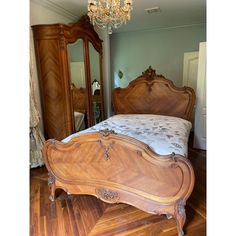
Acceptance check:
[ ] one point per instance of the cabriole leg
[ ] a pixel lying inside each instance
(52, 195)
(180, 216)
(51, 184)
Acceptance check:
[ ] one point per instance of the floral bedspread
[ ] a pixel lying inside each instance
(164, 134)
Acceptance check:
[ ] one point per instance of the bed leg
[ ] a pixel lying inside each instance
(52, 195)
(51, 184)
(180, 216)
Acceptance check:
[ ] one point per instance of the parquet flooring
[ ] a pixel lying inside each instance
(88, 216)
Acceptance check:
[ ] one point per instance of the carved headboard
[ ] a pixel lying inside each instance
(154, 94)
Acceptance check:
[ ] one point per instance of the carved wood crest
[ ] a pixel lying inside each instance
(107, 195)
(150, 73)
(106, 132)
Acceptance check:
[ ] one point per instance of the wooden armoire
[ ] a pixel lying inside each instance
(69, 59)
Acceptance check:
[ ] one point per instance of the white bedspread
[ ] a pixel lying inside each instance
(164, 134)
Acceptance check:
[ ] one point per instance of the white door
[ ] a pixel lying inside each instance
(200, 111)
(190, 69)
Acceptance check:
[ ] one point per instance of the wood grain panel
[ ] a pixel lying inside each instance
(55, 102)
(87, 216)
(134, 172)
(154, 94)
(117, 168)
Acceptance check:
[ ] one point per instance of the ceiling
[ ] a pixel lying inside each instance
(173, 12)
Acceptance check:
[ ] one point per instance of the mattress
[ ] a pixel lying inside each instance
(163, 134)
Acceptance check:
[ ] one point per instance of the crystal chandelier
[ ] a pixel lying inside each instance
(109, 13)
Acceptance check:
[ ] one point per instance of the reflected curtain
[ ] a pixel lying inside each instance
(36, 138)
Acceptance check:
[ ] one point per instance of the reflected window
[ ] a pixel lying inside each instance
(78, 83)
(76, 62)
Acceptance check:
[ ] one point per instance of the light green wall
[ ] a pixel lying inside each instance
(76, 51)
(163, 49)
(94, 63)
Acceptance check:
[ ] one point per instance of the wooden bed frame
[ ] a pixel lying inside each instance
(79, 99)
(116, 168)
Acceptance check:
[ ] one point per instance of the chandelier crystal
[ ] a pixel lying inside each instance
(109, 13)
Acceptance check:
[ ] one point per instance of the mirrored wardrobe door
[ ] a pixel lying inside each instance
(78, 83)
(96, 84)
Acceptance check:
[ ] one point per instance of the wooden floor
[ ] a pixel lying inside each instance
(87, 216)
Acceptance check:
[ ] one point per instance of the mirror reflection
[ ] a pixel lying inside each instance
(96, 84)
(78, 83)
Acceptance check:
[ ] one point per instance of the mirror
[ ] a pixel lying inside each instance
(97, 108)
(78, 83)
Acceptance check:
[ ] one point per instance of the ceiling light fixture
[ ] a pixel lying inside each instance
(109, 13)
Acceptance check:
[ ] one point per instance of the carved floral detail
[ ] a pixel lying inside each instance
(180, 216)
(62, 42)
(150, 87)
(181, 207)
(107, 195)
(106, 132)
(51, 178)
(174, 163)
(149, 73)
(106, 149)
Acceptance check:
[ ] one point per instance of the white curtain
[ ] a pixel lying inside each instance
(36, 138)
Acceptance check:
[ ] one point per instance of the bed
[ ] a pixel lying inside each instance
(116, 165)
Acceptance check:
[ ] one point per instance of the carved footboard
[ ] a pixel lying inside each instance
(116, 168)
